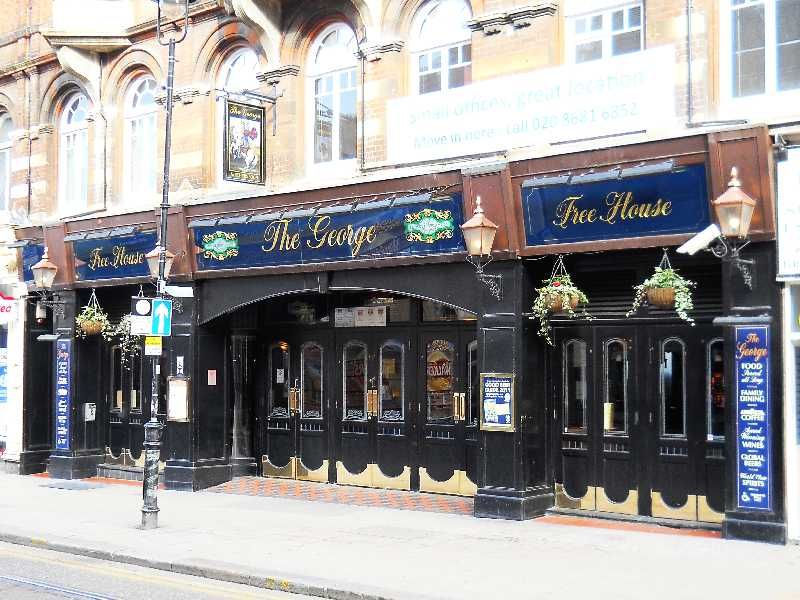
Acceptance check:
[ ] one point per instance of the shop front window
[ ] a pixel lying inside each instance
(440, 380)
(615, 405)
(311, 381)
(575, 386)
(355, 381)
(116, 378)
(279, 380)
(135, 383)
(392, 370)
(673, 388)
(715, 389)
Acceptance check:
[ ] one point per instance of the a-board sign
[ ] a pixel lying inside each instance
(497, 402)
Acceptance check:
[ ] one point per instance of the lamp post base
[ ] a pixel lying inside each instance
(150, 518)
(152, 450)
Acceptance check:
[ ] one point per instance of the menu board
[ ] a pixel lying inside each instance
(497, 401)
(752, 418)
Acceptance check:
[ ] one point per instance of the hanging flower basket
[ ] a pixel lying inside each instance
(557, 295)
(92, 320)
(667, 289)
(120, 335)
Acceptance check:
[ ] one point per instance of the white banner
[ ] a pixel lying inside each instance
(789, 216)
(618, 95)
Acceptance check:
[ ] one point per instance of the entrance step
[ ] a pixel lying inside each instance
(127, 473)
(619, 517)
(342, 494)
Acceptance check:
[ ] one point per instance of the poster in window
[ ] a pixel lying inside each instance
(244, 151)
(497, 401)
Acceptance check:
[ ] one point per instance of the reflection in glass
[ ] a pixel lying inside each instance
(615, 407)
(116, 377)
(673, 389)
(575, 387)
(439, 379)
(435, 311)
(135, 381)
(279, 380)
(355, 381)
(473, 389)
(392, 366)
(311, 382)
(715, 394)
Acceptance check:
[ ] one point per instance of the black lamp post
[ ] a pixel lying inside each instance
(173, 10)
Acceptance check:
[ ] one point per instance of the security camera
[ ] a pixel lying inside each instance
(700, 241)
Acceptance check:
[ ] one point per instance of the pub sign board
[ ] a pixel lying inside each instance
(407, 229)
(752, 372)
(113, 257)
(664, 203)
(63, 390)
(244, 151)
(497, 401)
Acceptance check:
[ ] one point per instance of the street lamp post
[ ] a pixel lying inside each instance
(173, 10)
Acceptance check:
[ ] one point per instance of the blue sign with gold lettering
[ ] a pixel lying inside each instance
(113, 257)
(31, 254)
(63, 391)
(751, 357)
(406, 228)
(617, 207)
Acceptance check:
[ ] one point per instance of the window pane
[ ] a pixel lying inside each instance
(749, 73)
(617, 20)
(466, 52)
(423, 63)
(615, 408)
(788, 34)
(748, 50)
(635, 16)
(459, 77)
(575, 387)
(347, 125)
(589, 51)
(279, 380)
(439, 380)
(135, 381)
(625, 43)
(580, 25)
(391, 398)
(355, 381)
(431, 82)
(311, 375)
(323, 129)
(116, 378)
(716, 389)
(436, 60)
(473, 385)
(673, 397)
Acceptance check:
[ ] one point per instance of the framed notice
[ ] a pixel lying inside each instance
(497, 402)
(244, 151)
(178, 398)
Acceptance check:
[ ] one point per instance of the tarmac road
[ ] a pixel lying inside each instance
(32, 573)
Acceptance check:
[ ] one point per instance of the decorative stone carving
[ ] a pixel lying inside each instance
(274, 75)
(516, 18)
(375, 52)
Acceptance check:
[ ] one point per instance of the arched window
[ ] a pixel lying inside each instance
(74, 154)
(6, 127)
(140, 140)
(333, 93)
(440, 46)
(237, 74)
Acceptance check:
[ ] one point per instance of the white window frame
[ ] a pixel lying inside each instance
(5, 151)
(453, 38)
(137, 117)
(781, 103)
(232, 94)
(73, 192)
(605, 34)
(337, 167)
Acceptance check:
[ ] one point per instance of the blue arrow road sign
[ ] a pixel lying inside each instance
(161, 324)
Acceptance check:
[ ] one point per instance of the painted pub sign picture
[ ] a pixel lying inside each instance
(244, 151)
(636, 201)
(400, 227)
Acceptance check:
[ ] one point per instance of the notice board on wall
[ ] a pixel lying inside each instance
(497, 402)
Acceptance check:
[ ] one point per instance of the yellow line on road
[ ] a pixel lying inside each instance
(121, 573)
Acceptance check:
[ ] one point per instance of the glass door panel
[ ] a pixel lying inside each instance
(440, 380)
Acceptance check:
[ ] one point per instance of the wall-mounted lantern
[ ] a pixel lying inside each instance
(479, 233)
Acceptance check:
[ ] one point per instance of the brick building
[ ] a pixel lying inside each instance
(360, 108)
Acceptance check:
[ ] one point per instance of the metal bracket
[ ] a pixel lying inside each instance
(722, 248)
(50, 301)
(493, 282)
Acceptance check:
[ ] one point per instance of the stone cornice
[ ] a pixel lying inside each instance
(184, 95)
(93, 42)
(274, 76)
(515, 18)
(374, 52)
(18, 67)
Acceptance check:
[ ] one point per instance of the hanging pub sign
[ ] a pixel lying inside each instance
(405, 229)
(751, 357)
(244, 151)
(113, 257)
(616, 204)
(63, 400)
(497, 402)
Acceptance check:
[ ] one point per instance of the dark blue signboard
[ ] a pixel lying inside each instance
(113, 257)
(497, 401)
(752, 418)
(623, 207)
(404, 229)
(31, 254)
(63, 394)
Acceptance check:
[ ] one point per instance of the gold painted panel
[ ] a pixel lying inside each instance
(270, 470)
(629, 507)
(466, 487)
(458, 484)
(401, 482)
(687, 512)
(345, 477)
(306, 474)
(587, 502)
(706, 513)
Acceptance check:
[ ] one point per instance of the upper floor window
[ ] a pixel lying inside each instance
(140, 131)
(606, 33)
(74, 154)
(765, 46)
(332, 73)
(6, 127)
(440, 45)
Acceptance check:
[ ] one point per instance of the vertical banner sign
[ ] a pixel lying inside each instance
(752, 418)
(497, 401)
(244, 149)
(3, 375)
(63, 394)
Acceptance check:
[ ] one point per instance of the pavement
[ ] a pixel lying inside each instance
(337, 550)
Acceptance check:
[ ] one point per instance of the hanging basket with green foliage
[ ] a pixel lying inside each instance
(92, 320)
(667, 289)
(120, 335)
(558, 295)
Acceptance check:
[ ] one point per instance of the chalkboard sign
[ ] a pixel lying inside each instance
(497, 402)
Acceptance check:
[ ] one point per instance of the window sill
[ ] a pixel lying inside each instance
(773, 107)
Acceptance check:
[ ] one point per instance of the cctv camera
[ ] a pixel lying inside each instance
(700, 241)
